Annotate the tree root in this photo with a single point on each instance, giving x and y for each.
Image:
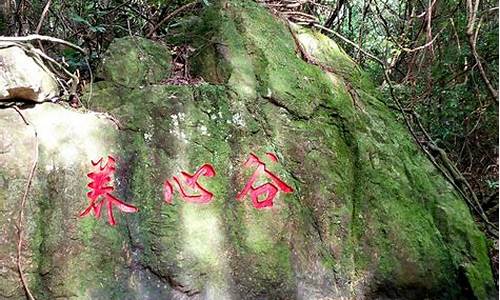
(19, 223)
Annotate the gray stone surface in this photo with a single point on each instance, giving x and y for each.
(24, 77)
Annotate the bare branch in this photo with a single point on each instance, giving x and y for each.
(37, 37)
(351, 43)
(44, 14)
(472, 33)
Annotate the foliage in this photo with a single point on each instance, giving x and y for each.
(90, 24)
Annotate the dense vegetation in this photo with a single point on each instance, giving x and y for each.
(437, 62)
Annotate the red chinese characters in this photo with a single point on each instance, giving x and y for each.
(204, 196)
(269, 189)
(188, 186)
(100, 193)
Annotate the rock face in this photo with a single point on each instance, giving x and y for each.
(24, 77)
(369, 216)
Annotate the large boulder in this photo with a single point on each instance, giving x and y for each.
(24, 76)
(369, 216)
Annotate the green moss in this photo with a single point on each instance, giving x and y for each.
(368, 212)
(107, 93)
(392, 226)
(132, 61)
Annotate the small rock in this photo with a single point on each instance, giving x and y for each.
(135, 61)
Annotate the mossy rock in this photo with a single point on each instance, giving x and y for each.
(135, 61)
(369, 216)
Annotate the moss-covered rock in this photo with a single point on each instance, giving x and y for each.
(135, 61)
(369, 218)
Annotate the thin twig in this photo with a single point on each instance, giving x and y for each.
(428, 44)
(20, 219)
(91, 81)
(138, 13)
(429, 27)
(44, 14)
(350, 43)
(170, 16)
(333, 16)
(74, 78)
(472, 33)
